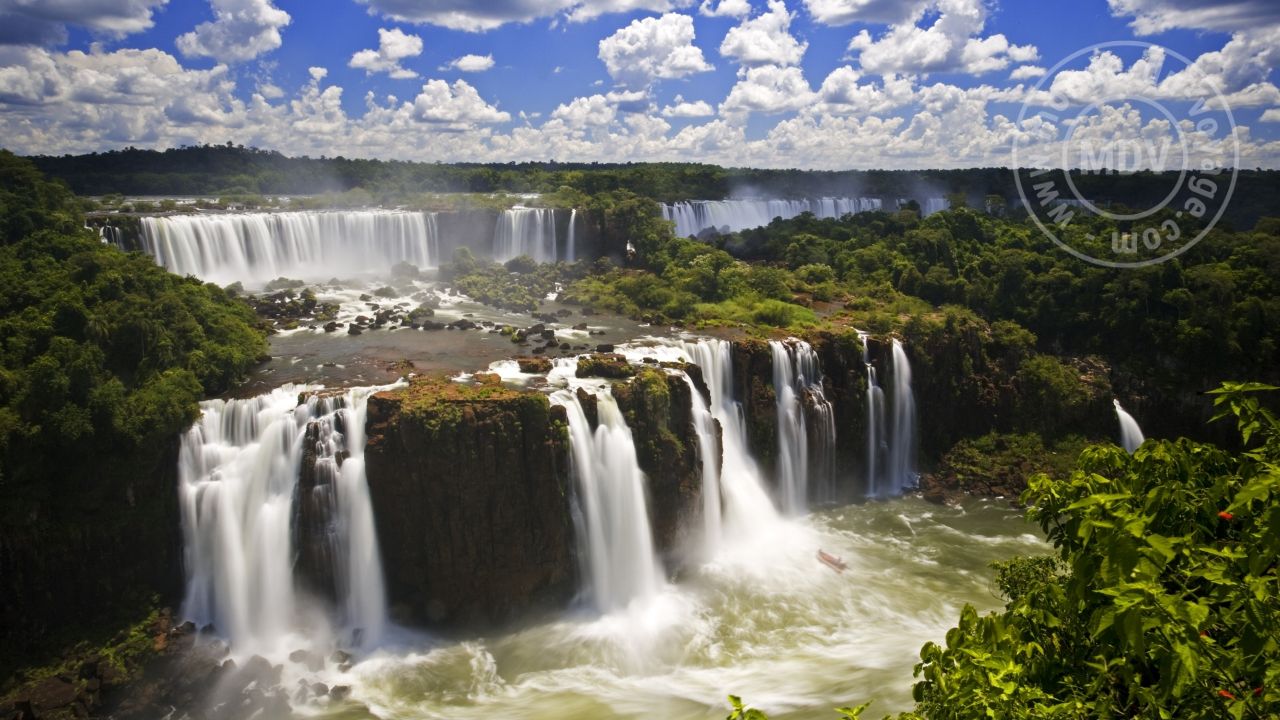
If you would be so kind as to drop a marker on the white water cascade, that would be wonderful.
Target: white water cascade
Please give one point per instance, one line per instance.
(525, 231)
(797, 382)
(622, 566)
(257, 247)
(876, 433)
(745, 503)
(933, 205)
(571, 247)
(238, 489)
(902, 448)
(694, 216)
(1131, 436)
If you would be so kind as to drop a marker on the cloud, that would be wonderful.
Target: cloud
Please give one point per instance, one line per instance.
(393, 46)
(1156, 16)
(950, 44)
(651, 49)
(482, 15)
(765, 40)
(459, 105)
(241, 30)
(1026, 72)
(1271, 115)
(470, 63)
(23, 22)
(725, 8)
(767, 89)
(1239, 71)
(843, 12)
(684, 109)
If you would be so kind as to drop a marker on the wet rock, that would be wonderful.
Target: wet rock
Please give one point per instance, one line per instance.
(605, 365)
(535, 330)
(580, 326)
(548, 334)
(313, 661)
(534, 365)
(455, 472)
(354, 330)
(332, 326)
(564, 312)
(319, 689)
(340, 692)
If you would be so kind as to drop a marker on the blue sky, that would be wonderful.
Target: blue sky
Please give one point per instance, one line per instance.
(805, 83)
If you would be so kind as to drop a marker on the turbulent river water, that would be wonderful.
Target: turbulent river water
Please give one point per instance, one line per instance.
(763, 619)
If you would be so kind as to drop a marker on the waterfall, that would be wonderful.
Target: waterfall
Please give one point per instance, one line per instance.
(875, 420)
(902, 448)
(525, 231)
(793, 451)
(622, 565)
(571, 246)
(239, 491)
(256, 247)
(797, 382)
(746, 505)
(704, 425)
(694, 216)
(1130, 433)
(933, 205)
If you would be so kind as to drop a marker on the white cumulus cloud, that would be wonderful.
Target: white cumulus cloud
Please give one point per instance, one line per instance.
(725, 8)
(651, 49)
(765, 40)
(470, 63)
(394, 46)
(241, 30)
(482, 15)
(952, 43)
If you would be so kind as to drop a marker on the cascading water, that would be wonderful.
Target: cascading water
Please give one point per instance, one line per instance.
(746, 505)
(256, 247)
(902, 448)
(797, 382)
(704, 424)
(238, 475)
(694, 216)
(525, 231)
(933, 205)
(876, 433)
(571, 247)
(622, 566)
(1131, 436)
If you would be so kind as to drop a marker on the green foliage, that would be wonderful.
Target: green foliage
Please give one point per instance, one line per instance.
(101, 353)
(1163, 599)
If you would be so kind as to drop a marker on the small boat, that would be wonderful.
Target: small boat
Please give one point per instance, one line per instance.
(832, 561)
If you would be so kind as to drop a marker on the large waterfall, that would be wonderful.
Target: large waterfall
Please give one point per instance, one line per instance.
(622, 565)
(902, 450)
(745, 503)
(797, 384)
(891, 442)
(1131, 436)
(240, 496)
(525, 231)
(694, 216)
(256, 247)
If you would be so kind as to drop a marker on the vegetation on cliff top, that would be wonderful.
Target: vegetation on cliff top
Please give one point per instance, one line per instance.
(103, 351)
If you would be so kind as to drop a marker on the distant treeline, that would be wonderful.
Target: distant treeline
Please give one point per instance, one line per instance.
(220, 170)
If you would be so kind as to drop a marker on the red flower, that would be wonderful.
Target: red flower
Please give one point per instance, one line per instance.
(1257, 691)
(1226, 694)
(1226, 515)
